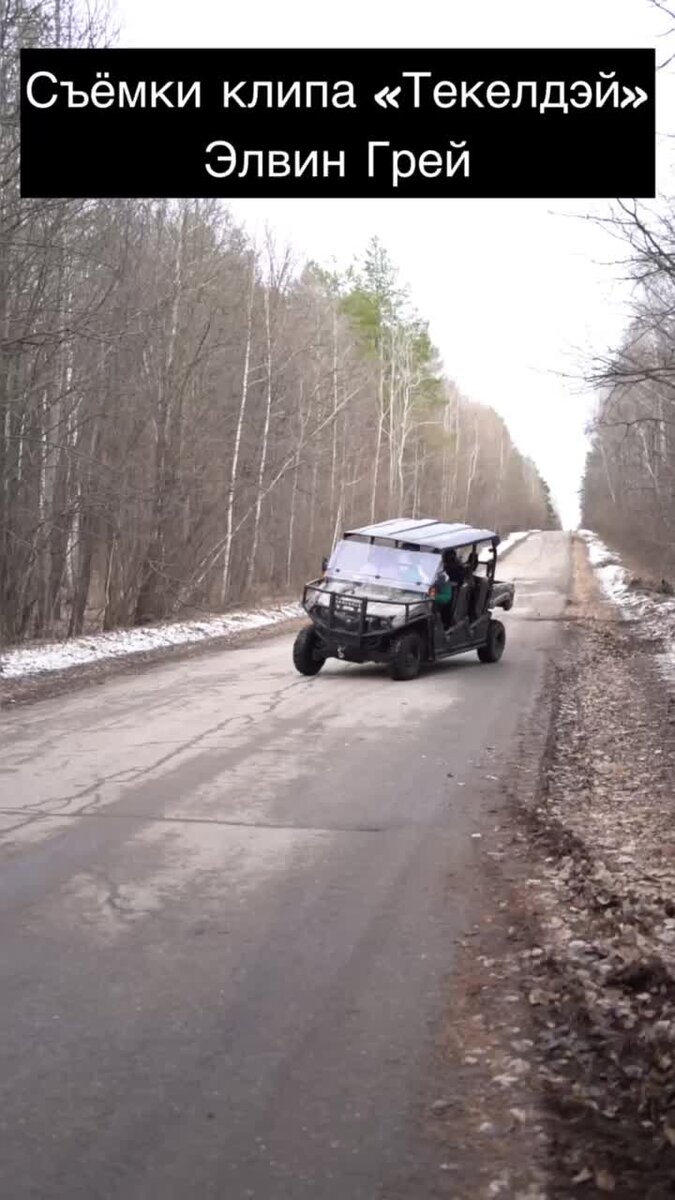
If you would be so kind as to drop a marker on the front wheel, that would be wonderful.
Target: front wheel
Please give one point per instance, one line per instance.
(406, 658)
(493, 649)
(306, 657)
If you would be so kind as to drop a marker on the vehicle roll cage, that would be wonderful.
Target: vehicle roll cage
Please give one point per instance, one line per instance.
(357, 535)
(347, 603)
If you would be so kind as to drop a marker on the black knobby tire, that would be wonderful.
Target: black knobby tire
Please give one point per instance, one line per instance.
(493, 649)
(304, 657)
(406, 658)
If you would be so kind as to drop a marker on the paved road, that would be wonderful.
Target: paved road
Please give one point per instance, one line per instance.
(229, 899)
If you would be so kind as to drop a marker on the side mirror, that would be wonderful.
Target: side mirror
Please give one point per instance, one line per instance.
(324, 564)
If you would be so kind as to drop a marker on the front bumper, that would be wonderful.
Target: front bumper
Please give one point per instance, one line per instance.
(347, 621)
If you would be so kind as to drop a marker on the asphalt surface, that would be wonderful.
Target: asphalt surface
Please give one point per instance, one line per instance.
(229, 903)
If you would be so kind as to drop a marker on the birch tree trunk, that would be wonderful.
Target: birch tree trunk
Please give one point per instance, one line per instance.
(380, 430)
(263, 453)
(234, 466)
(472, 470)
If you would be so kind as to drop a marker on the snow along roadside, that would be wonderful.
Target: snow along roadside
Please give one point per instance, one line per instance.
(123, 643)
(613, 577)
(617, 584)
(655, 613)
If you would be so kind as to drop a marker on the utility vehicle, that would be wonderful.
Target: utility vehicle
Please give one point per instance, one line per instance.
(377, 599)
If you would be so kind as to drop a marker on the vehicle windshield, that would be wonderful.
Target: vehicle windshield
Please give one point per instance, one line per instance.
(414, 570)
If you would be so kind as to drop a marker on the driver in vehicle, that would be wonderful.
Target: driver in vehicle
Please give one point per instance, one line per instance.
(454, 575)
(454, 568)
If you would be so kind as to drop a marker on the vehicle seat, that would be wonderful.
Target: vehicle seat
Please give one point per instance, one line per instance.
(479, 599)
(461, 605)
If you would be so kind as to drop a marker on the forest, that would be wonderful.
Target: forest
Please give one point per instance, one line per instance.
(629, 486)
(188, 419)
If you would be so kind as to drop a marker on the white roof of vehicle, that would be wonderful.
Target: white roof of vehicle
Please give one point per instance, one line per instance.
(426, 534)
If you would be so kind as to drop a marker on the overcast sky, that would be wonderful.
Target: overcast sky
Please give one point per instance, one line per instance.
(516, 292)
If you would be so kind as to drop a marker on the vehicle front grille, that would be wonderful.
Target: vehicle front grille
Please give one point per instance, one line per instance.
(342, 621)
(349, 623)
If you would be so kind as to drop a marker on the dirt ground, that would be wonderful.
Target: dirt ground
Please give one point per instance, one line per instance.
(564, 1027)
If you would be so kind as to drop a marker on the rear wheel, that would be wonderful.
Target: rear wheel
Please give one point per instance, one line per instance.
(306, 658)
(406, 658)
(493, 649)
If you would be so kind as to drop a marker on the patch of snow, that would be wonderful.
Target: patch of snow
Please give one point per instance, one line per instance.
(120, 643)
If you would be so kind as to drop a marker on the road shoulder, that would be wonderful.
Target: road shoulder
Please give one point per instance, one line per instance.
(561, 1021)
